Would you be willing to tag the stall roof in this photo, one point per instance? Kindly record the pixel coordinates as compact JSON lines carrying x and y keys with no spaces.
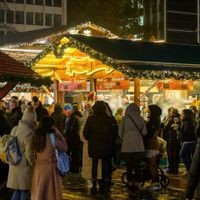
{"x":14,"y":71}
{"x":10,"y":66}
{"x":147,"y":55}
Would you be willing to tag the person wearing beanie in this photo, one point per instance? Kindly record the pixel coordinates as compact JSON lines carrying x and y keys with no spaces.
{"x":20,"y":175}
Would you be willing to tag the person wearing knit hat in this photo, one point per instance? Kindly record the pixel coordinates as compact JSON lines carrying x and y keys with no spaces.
{"x":19,"y":176}
{"x":68,"y":109}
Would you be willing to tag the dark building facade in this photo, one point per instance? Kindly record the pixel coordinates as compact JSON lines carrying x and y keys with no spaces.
{"x":182,"y":21}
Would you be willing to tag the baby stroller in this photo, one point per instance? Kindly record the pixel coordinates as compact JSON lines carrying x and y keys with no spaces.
{"x":144,"y":175}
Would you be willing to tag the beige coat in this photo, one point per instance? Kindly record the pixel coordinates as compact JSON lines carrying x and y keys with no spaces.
{"x":86,"y":171}
{"x":47,"y":183}
{"x":20,"y":175}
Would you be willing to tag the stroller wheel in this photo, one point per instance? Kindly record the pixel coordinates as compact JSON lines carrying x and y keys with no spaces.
{"x":163,"y":178}
{"x":124,"y":178}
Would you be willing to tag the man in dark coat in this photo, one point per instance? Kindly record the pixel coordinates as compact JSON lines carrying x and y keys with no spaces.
{"x":15,"y":113}
{"x":40,"y":110}
{"x":72,"y":135}
{"x":100,"y":131}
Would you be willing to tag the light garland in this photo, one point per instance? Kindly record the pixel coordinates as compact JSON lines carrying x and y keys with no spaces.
{"x":107,"y":33}
{"x":59,"y":49}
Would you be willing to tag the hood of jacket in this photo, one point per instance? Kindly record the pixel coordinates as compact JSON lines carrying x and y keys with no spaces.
{"x":132,"y":108}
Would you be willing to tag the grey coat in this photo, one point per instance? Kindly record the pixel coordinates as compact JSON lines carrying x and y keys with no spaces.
{"x":132,"y":140}
{"x":20,"y":175}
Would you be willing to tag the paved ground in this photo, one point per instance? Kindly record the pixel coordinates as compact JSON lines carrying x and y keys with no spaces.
{"x":75,"y":188}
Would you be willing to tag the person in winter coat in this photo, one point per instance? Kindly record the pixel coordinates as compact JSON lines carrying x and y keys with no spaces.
{"x":193,"y":181}
{"x":100,"y":132}
{"x":59,"y":117}
{"x":15,"y":113}
{"x":86,"y":160}
{"x":151,"y":143}
{"x":47,"y":182}
{"x":172,"y":128}
{"x":132,"y":150}
{"x":20,"y":175}
{"x":40,"y":110}
{"x":118,"y":142}
{"x":72,"y":135}
{"x":4,"y":129}
{"x":188,"y":137}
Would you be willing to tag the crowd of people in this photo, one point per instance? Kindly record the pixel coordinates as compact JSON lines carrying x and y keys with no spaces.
{"x":98,"y":142}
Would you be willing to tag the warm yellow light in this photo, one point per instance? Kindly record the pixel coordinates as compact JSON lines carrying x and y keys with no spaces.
{"x":64,"y":41}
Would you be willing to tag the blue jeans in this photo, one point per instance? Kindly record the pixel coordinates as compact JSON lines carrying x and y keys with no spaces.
{"x":186,"y":153}
{"x":20,"y":195}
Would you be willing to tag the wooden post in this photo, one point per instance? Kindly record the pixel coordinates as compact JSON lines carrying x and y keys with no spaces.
{"x":4,"y":91}
{"x":95,"y":88}
{"x":137,"y":91}
{"x":56,"y":98}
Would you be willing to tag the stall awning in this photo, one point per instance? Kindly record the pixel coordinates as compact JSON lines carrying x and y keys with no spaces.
{"x":146,"y":55}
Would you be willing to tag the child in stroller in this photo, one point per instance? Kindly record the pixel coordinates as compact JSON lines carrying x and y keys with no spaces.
{"x":144,"y":174}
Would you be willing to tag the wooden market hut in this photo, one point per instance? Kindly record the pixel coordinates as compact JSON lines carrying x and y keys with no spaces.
{"x":25,"y":46}
{"x":77,"y":56}
{"x":70,"y":56}
{"x":13,"y":72}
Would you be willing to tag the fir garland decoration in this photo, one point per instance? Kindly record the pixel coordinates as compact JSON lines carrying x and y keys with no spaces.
{"x":59,"y":48}
{"x":34,"y":81}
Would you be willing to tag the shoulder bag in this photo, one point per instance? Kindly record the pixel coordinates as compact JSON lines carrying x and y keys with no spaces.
{"x":63,"y":159}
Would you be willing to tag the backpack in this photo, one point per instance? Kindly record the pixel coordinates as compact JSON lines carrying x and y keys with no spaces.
{"x":9,"y":149}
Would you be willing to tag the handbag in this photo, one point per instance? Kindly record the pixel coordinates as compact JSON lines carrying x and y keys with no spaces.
{"x":63,"y":159}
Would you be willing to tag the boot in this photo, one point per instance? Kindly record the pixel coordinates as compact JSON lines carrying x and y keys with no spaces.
{"x":104,"y":187}
{"x":93,"y":189}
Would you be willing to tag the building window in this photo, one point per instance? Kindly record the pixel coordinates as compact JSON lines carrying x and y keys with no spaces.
{"x":38,"y":2}
{"x":29,"y":18}
{"x":57,"y":20}
{"x":29,"y":1}
{"x":10,"y":16}
{"x":38,"y":19}
{"x":48,"y":19}
{"x":19,"y":1}
{"x":2,"y":16}
{"x":48,"y":2}
{"x":57,"y":3}
{"x":19,"y":17}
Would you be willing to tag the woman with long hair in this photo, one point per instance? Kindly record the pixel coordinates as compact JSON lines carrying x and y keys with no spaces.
{"x":188,"y":137}
{"x":47,"y":182}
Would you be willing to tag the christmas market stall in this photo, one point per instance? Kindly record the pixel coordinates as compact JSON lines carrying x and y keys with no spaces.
{"x":13,"y":72}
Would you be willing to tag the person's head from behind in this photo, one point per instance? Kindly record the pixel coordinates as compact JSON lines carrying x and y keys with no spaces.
{"x":35,"y":102}
{"x":154,"y":111}
{"x":46,"y":126}
{"x":193,"y":108}
{"x":58,"y":108}
{"x":187,"y":115}
{"x":119,"y":111}
{"x":99,"y":108}
{"x":29,"y":116}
